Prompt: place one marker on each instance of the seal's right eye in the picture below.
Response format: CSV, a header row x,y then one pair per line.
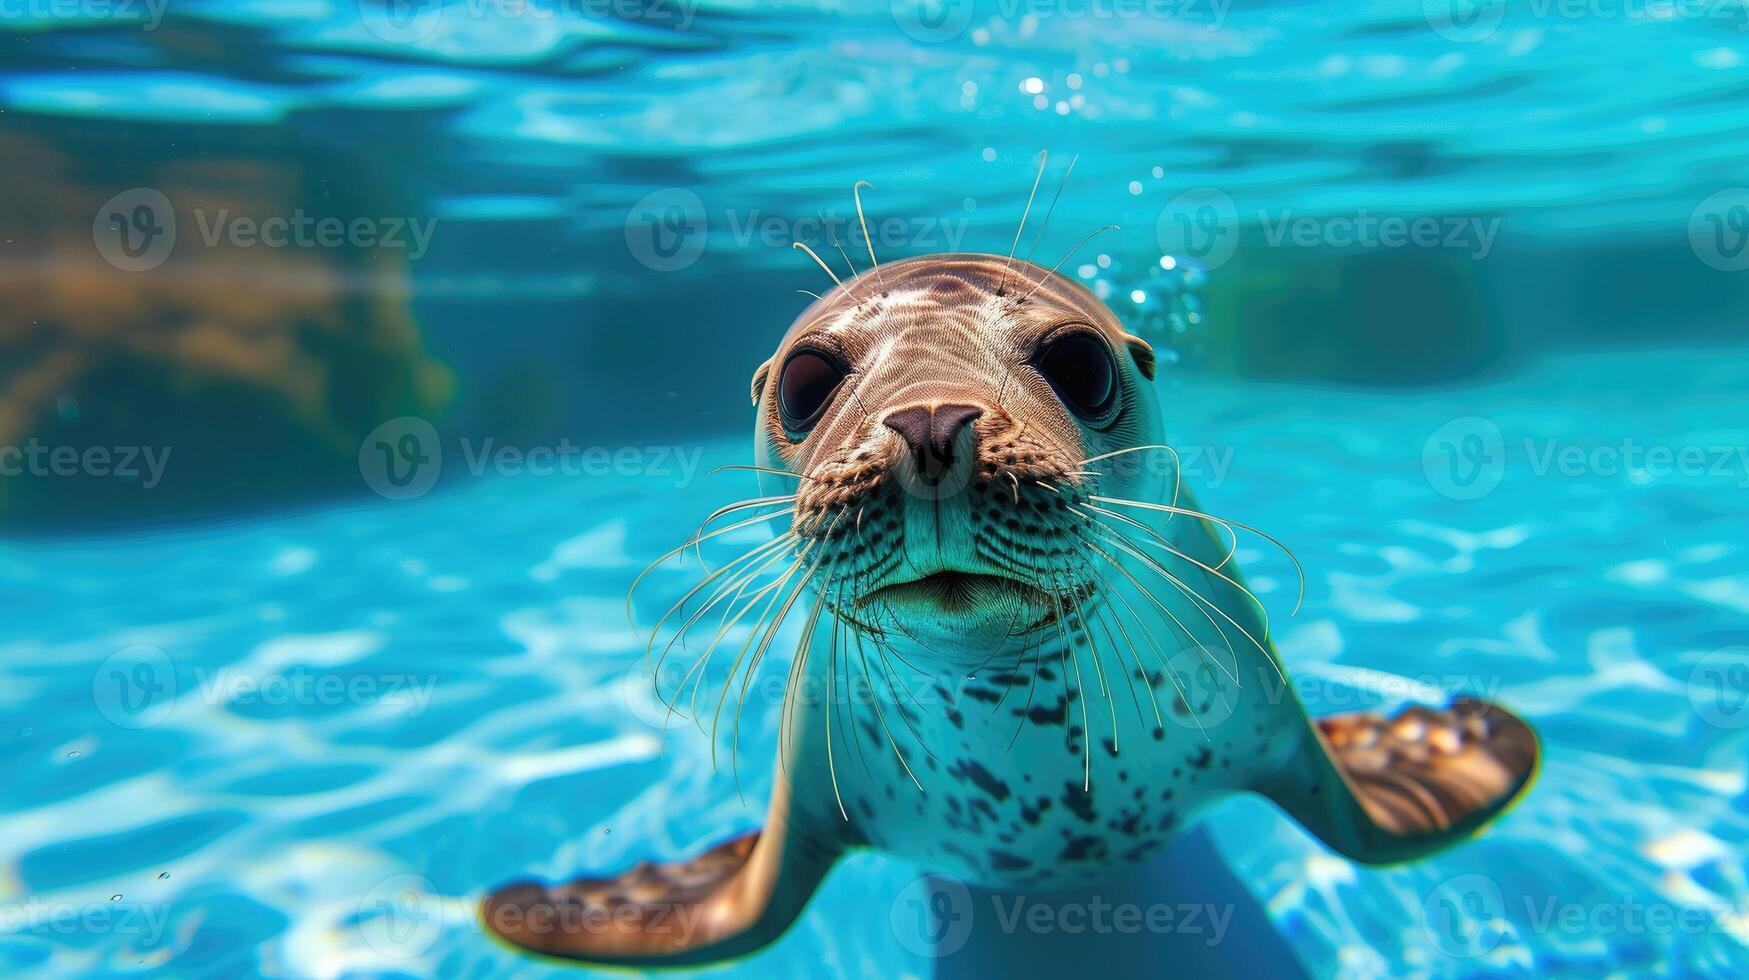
x,y
805,388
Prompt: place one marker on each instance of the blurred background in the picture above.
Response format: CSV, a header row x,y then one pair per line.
x,y
386,340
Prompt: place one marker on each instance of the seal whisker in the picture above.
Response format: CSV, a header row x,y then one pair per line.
x,y
1188,634
1046,223
828,270
1147,635
1195,597
764,643
855,729
762,469
799,664
1064,654
880,716
1165,665
723,629
856,194
739,585
1214,570
831,696
832,237
1300,569
1080,611
774,545
1108,617
1053,270
690,542
1008,266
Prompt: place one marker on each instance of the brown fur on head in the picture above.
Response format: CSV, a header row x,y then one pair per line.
x,y
939,476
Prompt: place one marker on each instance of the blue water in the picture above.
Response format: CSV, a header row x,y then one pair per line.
x,y
303,742
502,736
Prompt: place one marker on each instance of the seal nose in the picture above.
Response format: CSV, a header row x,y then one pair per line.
x,y
931,432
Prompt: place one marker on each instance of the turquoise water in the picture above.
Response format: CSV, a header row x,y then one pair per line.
x,y
300,737
252,829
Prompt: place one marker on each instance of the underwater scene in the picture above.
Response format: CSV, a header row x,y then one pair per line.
x,y
387,536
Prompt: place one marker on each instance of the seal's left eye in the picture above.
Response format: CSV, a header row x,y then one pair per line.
x,y
805,388
1079,366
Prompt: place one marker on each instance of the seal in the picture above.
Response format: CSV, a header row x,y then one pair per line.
x,y
967,452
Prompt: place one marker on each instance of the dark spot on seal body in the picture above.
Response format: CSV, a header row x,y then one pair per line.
x,y
986,695
1202,757
1084,849
1004,861
1079,801
1057,714
1110,746
971,770
1032,814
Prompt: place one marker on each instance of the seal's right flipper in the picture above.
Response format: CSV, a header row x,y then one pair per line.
x,y
731,900
1382,790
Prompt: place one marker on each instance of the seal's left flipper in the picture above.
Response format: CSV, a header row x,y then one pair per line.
x,y
1391,789
728,901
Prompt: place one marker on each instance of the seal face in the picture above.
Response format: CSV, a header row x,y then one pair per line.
x,y
939,408
1024,659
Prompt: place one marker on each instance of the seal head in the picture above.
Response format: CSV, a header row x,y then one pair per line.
x,y
938,411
